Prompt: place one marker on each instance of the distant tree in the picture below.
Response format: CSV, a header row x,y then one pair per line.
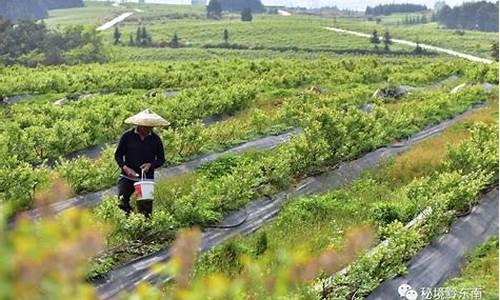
x,y
418,49
174,43
214,9
423,19
131,41
145,38
433,17
5,25
378,20
93,51
117,35
238,5
375,39
387,41
246,15
138,36
226,36
142,37
16,10
32,43
58,4
438,6
494,50
387,9
481,16
272,11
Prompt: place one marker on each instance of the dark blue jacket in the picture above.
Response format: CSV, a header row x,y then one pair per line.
x,y
133,152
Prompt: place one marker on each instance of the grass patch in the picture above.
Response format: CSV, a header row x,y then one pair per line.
x,y
424,158
480,272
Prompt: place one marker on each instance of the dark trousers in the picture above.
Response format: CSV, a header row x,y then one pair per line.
x,y
125,190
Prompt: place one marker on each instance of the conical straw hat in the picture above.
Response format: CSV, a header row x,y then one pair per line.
x,y
147,118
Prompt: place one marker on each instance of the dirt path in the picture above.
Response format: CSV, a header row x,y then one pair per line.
x,y
424,46
115,21
283,13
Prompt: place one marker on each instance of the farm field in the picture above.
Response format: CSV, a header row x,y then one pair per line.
x,y
266,37
301,163
93,13
471,42
270,31
288,114
265,30
257,90
378,198
297,36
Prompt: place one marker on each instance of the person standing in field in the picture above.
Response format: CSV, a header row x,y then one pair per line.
x,y
140,151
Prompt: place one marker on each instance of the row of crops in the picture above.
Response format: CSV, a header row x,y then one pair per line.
x,y
335,130
39,130
311,225
267,98
306,235
121,77
383,200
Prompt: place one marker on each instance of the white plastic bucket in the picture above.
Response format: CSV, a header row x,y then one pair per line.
x,y
144,189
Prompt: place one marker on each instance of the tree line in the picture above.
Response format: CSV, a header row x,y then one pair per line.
x,y
246,7
31,43
239,5
16,10
386,39
58,4
387,9
481,16
411,20
143,39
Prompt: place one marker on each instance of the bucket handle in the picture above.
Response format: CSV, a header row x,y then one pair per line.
x,y
142,174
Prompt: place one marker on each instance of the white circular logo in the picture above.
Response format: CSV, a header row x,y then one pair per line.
x,y
407,292
411,295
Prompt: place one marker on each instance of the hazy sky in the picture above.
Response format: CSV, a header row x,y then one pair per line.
x,y
347,4
353,4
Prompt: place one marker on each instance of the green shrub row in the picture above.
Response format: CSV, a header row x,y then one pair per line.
x,y
334,131
471,168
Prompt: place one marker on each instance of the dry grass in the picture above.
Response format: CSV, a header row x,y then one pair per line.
x,y
393,106
425,158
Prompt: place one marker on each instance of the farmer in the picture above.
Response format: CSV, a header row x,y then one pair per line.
x,y
140,151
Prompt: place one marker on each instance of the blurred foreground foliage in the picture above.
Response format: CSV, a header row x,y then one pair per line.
x,y
47,259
